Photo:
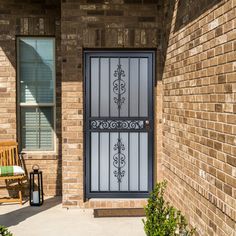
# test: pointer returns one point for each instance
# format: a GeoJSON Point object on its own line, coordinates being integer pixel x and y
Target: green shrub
{"type": "Point", "coordinates": [162, 219]}
{"type": "Point", "coordinates": [4, 231]}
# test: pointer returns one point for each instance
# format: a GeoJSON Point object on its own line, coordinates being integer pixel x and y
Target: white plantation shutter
{"type": "Point", "coordinates": [29, 121]}
{"type": "Point", "coordinates": [46, 126]}
{"type": "Point", "coordinates": [37, 78]}
{"type": "Point", "coordinates": [37, 126]}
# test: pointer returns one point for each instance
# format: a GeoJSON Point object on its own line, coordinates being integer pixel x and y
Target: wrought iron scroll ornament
{"type": "Point", "coordinates": [119, 160]}
{"type": "Point", "coordinates": [117, 124]}
{"type": "Point", "coordinates": [119, 86]}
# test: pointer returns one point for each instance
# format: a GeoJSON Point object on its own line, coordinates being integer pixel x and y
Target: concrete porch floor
{"type": "Point", "coordinates": [53, 220]}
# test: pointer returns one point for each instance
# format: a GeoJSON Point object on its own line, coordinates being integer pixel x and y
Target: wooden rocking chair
{"type": "Point", "coordinates": [11, 160]}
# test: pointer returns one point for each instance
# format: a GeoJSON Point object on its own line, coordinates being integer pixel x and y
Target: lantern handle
{"type": "Point", "coordinates": [35, 168]}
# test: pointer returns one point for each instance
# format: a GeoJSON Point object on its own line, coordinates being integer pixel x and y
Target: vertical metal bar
{"type": "Point", "coordinates": [148, 88]}
{"type": "Point", "coordinates": [119, 91]}
{"type": "Point", "coordinates": [109, 142]}
{"type": "Point", "coordinates": [31, 190]}
{"type": "Point", "coordinates": [138, 161]}
{"type": "Point", "coordinates": [139, 89]}
{"type": "Point", "coordinates": [109, 77]}
{"type": "Point", "coordinates": [87, 105]}
{"type": "Point", "coordinates": [39, 189]}
{"type": "Point", "coordinates": [33, 182]}
{"type": "Point", "coordinates": [139, 93]}
{"type": "Point", "coordinates": [109, 156]}
{"type": "Point", "coordinates": [147, 159]}
{"type": "Point", "coordinates": [99, 87]}
{"type": "Point", "coordinates": [41, 176]}
{"type": "Point", "coordinates": [151, 73]}
{"type": "Point", "coordinates": [129, 102]}
{"type": "Point", "coordinates": [129, 89]}
{"type": "Point", "coordinates": [128, 161]}
{"type": "Point", "coordinates": [99, 114]}
{"type": "Point", "coordinates": [99, 143]}
{"type": "Point", "coordinates": [119, 159]}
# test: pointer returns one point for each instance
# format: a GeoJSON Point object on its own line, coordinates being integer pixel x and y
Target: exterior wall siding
{"type": "Point", "coordinates": [199, 142]}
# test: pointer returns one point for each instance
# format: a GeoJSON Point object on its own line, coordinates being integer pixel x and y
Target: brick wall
{"type": "Point", "coordinates": [199, 142]}
{"type": "Point", "coordinates": [196, 71]}
{"type": "Point", "coordinates": [34, 18]}
{"type": "Point", "coordinates": [99, 24]}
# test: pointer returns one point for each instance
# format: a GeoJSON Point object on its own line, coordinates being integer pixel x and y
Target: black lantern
{"type": "Point", "coordinates": [36, 186]}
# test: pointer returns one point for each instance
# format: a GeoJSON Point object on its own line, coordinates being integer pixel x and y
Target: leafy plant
{"type": "Point", "coordinates": [162, 219]}
{"type": "Point", "coordinates": [4, 231]}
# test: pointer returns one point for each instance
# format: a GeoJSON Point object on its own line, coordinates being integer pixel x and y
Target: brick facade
{"type": "Point", "coordinates": [195, 94]}
{"type": "Point", "coordinates": [199, 143]}
{"type": "Point", "coordinates": [28, 18]}
{"type": "Point", "coordinates": [99, 24]}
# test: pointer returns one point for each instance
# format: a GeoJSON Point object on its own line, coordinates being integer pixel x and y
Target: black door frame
{"type": "Point", "coordinates": [151, 83]}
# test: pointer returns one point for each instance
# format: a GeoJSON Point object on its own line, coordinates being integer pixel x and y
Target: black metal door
{"type": "Point", "coordinates": [119, 123]}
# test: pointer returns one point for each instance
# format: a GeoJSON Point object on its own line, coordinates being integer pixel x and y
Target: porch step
{"type": "Point", "coordinates": [119, 212]}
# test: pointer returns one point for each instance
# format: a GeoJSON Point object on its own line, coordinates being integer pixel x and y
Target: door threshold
{"type": "Point", "coordinates": [117, 199]}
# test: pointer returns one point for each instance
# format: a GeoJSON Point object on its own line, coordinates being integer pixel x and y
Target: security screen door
{"type": "Point", "coordinates": [119, 123]}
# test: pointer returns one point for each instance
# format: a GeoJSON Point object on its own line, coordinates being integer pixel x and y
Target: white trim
{"type": "Point", "coordinates": [53, 105]}
{"type": "Point", "coordinates": [24, 104]}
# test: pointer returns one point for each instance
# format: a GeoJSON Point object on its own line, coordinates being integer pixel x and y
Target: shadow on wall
{"type": "Point", "coordinates": [189, 10]}
{"type": "Point", "coordinates": [22, 213]}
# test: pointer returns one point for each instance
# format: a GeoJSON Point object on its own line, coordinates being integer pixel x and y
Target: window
{"type": "Point", "coordinates": [36, 94]}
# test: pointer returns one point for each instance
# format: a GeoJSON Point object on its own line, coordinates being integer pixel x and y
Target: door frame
{"type": "Point", "coordinates": [87, 53]}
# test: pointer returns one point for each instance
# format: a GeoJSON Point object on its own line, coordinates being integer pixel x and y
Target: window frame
{"type": "Point", "coordinates": [20, 104]}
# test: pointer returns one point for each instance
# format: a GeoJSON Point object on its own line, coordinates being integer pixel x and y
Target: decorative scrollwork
{"type": "Point", "coordinates": [119, 160]}
{"type": "Point", "coordinates": [117, 124]}
{"type": "Point", "coordinates": [119, 86]}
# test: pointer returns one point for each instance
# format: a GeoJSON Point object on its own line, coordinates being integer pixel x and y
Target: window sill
{"type": "Point", "coordinates": [39, 155]}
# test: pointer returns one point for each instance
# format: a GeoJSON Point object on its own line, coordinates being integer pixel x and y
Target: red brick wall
{"type": "Point", "coordinates": [199, 142]}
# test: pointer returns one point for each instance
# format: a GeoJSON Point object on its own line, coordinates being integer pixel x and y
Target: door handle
{"type": "Point", "coordinates": [147, 124]}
